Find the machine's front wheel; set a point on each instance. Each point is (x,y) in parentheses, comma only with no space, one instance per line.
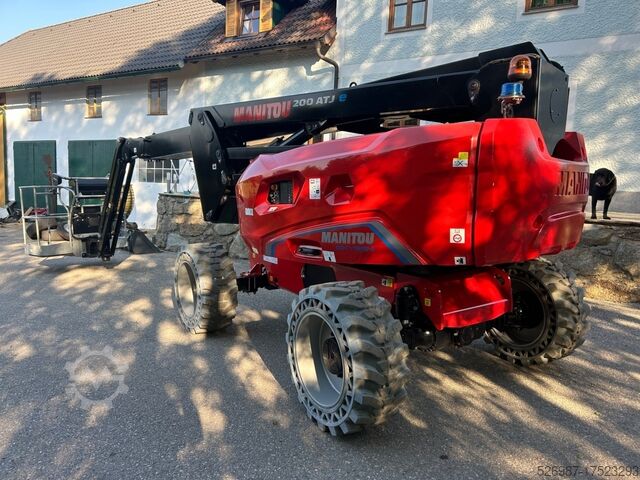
(347,359)
(549,317)
(205,290)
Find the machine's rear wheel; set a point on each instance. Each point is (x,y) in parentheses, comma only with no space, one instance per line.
(347,359)
(549,317)
(205,291)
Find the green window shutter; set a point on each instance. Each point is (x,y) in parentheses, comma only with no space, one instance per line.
(103,151)
(33,163)
(91,158)
(45,161)
(23,170)
(80,159)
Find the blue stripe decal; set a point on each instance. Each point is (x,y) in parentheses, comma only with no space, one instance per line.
(391,242)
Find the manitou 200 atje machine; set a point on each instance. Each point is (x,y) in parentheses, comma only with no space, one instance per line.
(422,237)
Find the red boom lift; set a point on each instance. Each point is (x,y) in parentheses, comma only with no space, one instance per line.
(422,237)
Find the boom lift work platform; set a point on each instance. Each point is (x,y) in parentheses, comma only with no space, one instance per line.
(421,237)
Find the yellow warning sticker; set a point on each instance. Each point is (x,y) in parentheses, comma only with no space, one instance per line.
(462,160)
(427,302)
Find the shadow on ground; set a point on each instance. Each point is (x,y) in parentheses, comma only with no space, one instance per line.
(224,406)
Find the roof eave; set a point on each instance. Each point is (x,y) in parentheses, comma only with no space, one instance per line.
(108,76)
(327,38)
(251,51)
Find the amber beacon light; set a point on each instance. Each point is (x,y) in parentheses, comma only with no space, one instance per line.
(520,68)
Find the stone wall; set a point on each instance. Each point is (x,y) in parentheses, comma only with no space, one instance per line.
(607,262)
(180,223)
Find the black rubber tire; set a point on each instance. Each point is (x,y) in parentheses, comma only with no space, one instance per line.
(373,356)
(584,325)
(205,290)
(43,225)
(62,230)
(563,323)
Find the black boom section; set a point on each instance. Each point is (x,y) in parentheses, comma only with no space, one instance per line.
(438,94)
(218,138)
(169,145)
(348,108)
(112,213)
(216,175)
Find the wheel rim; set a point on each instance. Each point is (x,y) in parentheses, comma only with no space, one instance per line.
(186,289)
(531,320)
(319,360)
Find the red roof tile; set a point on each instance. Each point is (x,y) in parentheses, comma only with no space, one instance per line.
(154,36)
(147,37)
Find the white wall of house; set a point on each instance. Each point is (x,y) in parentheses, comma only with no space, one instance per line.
(267,75)
(124,113)
(125,109)
(597,43)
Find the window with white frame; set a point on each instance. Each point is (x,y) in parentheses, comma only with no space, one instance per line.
(158,171)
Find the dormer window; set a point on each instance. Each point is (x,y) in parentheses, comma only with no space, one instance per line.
(249,18)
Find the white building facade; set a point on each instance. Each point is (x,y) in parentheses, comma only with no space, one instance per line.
(596,41)
(206,66)
(125,111)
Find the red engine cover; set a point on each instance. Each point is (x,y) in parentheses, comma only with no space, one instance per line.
(456,194)
(528,203)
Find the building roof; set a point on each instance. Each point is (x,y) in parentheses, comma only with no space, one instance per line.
(304,24)
(155,36)
(147,37)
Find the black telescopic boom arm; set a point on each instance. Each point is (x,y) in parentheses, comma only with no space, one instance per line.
(112,213)
(218,136)
(174,144)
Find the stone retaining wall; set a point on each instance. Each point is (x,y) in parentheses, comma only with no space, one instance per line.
(607,262)
(180,223)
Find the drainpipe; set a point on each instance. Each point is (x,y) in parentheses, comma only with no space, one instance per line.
(327,41)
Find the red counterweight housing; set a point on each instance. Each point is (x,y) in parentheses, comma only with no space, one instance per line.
(375,207)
